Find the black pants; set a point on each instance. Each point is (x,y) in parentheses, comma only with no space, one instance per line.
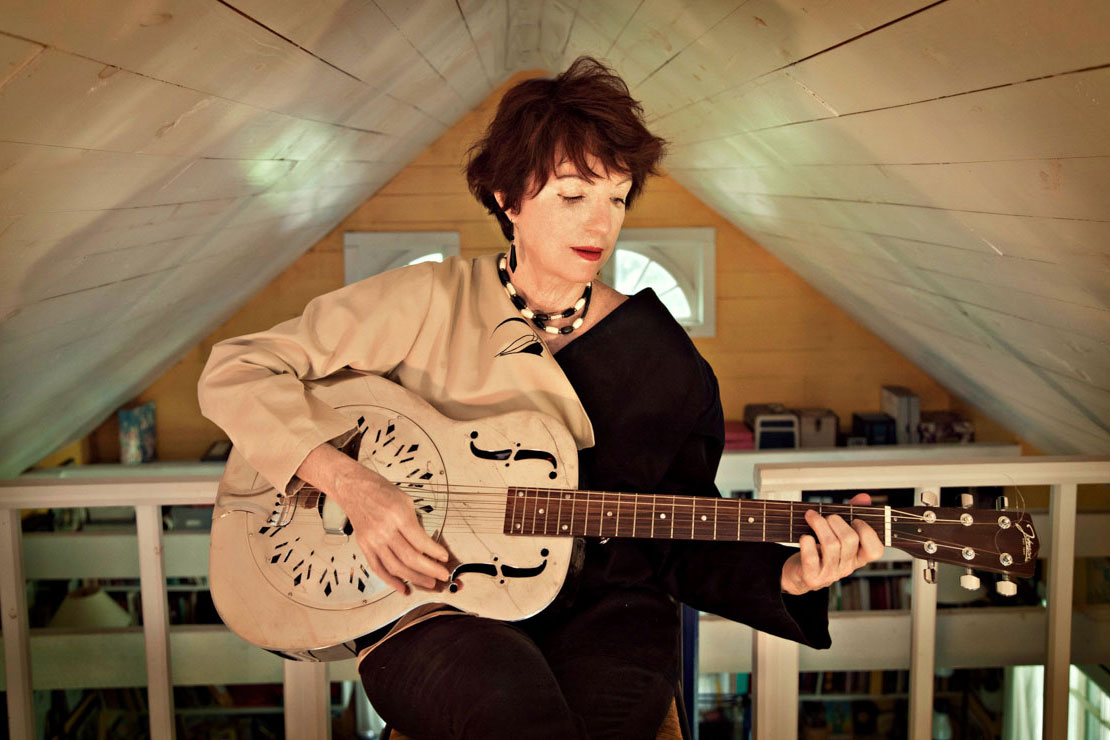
(605,669)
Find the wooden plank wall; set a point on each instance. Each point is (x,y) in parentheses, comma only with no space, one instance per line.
(778,339)
(942,173)
(163,160)
(937,169)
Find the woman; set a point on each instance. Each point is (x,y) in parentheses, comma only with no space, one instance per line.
(561,162)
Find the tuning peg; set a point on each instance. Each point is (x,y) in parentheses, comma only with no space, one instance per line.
(930,498)
(1001,503)
(970,581)
(930,572)
(967,500)
(1006,587)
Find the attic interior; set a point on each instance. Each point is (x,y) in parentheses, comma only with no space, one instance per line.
(903,193)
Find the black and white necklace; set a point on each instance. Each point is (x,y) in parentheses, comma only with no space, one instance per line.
(538,318)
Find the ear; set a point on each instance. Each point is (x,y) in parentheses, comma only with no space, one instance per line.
(500,196)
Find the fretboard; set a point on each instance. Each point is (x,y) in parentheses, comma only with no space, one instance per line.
(572,513)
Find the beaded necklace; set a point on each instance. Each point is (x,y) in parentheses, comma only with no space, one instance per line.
(540,319)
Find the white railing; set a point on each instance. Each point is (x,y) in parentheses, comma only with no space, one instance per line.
(775,682)
(775,662)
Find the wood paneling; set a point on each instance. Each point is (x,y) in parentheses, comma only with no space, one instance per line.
(927,55)
(754,40)
(936,169)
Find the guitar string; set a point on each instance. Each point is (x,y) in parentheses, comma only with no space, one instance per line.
(502,491)
(858,511)
(681,500)
(683,514)
(770,518)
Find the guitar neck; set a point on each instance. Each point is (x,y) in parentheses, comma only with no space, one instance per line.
(573,513)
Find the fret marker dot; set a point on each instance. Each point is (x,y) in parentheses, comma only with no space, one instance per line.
(662,516)
(608,513)
(518,526)
(541,511)
(520,494)
(564,528)
(567,496)
(751,520)
(704,517)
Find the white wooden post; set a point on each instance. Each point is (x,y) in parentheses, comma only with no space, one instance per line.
(156,621)
(775,677)
(17,645)
(1061,562)
(923,638)
(307,701)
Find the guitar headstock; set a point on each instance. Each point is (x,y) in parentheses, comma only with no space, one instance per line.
(984,539)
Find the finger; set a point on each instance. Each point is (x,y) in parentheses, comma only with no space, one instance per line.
(811,561)
(387,578)
(418,561)
(420,540)
(870,546)
(394,565)
(860,499)
(849,544)
(830,545)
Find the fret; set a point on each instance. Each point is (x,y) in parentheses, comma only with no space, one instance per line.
(790,531)
(528,513)
(682,517)
(606,525)
(715,517)
(728,519)
(620,504)
(739,512)
(586,515)
(510,511)
(635,511)
(573,505)
(653,498)
(563,527)
(764,521)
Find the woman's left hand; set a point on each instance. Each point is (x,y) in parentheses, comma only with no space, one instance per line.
(837,551)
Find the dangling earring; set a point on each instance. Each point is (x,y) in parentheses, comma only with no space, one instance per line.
(512,256)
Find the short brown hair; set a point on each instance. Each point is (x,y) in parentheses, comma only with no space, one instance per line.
(585,110)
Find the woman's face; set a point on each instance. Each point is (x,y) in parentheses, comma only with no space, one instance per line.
(568,230)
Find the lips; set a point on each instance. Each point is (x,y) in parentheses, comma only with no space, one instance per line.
(588,253)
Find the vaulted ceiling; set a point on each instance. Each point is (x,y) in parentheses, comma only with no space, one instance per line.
(941,170)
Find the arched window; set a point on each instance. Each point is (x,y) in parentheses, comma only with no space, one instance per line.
(634,271)
(678,264)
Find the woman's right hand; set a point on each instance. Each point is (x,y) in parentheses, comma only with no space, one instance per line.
(382,517)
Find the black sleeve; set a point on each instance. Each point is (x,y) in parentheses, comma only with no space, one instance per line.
(736,580)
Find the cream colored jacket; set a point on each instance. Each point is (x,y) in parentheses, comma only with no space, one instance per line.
(446,331)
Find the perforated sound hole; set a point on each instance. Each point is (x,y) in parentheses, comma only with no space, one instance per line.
(327,570)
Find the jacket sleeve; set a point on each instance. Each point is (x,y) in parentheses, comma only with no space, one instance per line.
(251,386)
(740,581)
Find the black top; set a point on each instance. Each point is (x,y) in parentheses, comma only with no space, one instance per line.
(659,428)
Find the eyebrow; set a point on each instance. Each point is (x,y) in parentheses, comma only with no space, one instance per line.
(579,177)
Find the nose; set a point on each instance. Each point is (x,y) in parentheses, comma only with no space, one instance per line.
(600,218)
